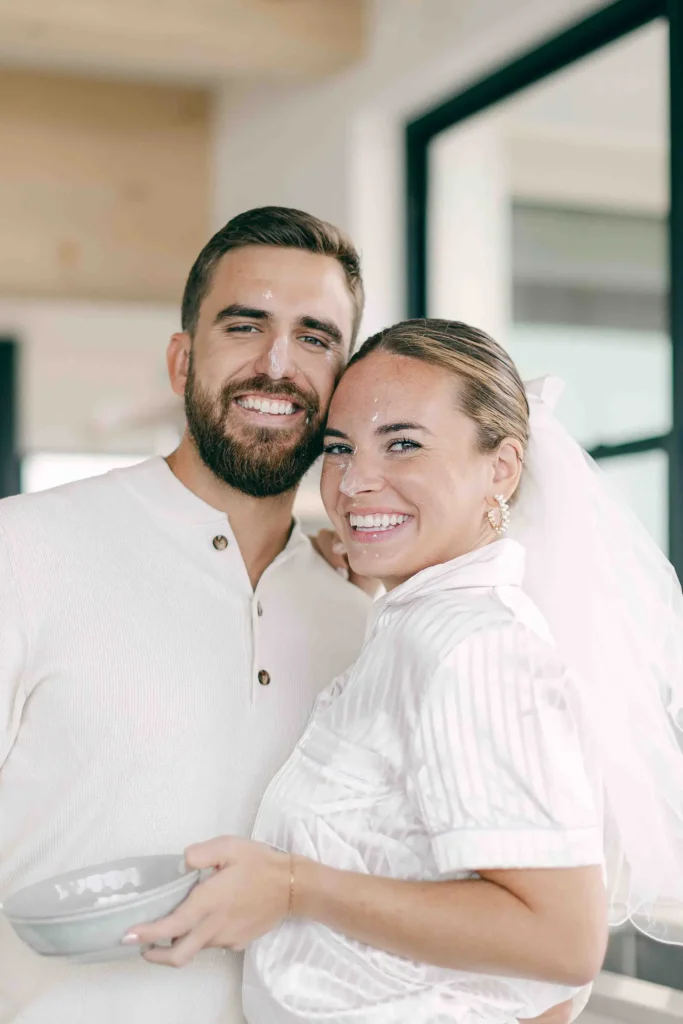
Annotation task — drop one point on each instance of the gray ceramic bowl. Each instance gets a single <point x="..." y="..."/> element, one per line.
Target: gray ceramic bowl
<point x="84" y="914"/>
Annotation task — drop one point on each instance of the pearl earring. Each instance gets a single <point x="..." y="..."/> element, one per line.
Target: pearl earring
<point x="504" y="509"/>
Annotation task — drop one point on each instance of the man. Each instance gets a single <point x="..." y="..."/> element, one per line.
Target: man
<point x="164" y="629"/>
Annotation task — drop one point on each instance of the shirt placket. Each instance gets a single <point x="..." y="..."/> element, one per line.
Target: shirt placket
<point x="264" y="673"/>
<point x="225" y="551"/>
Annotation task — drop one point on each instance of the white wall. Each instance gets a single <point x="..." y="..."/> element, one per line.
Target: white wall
<point x="93" y="375"/>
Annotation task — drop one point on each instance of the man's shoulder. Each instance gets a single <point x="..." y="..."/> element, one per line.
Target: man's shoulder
<point x="70" y="504"/>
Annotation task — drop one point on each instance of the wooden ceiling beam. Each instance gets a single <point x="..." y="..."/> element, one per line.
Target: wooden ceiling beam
<point x="204" y="39"/>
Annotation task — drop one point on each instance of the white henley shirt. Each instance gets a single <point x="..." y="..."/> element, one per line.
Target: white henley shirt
<point x="147" y="696"/>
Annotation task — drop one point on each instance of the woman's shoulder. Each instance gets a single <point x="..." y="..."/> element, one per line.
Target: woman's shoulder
<point x="511" y="643"/>
<point x="426" y="632"/>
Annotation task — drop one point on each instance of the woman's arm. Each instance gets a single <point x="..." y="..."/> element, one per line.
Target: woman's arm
<point x="545" y="924"/>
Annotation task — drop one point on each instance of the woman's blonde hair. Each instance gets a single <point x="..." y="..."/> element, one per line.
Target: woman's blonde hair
<point x="491" y="392"/>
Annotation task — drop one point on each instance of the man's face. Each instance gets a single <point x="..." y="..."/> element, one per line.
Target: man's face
<point x="273" y="335"/>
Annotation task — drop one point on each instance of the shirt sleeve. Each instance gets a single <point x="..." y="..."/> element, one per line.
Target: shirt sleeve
<point x="496" y="766"/>
<point x="13" y="653"/>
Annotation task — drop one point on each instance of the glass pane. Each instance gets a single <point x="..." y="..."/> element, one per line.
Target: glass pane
<point x="547" y="227"/>
<point x="617" y="381"/>
<point x="641" y="480"/>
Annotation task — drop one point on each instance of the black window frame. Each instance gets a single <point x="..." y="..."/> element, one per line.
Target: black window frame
<point x="549" y="56"/>
<point x="9" y="445"/>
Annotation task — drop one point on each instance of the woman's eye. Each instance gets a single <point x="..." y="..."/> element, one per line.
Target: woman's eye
<point x="403" y="445"/>
<point x="337" y="449"/>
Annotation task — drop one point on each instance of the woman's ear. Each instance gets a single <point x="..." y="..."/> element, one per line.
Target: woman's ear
<point x="507" y="467"/>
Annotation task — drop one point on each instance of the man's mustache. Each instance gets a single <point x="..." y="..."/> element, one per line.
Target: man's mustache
<point x="264" y="385"/>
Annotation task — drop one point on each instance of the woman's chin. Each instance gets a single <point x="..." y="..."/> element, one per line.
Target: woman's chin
<point x="377" y="563"/>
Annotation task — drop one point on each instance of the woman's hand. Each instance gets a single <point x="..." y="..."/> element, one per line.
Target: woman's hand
<point x="246" y="897"/>
<point x="328" y="544"/>
<point x="560" y="1014"/>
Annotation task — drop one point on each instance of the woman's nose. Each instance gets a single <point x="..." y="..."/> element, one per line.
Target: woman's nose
<point x="277" y="359"/>
<point x="359" y="478"/>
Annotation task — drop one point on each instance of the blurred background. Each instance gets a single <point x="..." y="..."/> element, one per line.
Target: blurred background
<point x="131" y="129"/>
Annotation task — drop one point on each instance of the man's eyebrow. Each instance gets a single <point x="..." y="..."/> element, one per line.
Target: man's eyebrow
<point x="236" y="309"/>
<point x="327" y="327"/>
<point x="331" y="432"/>
<point x="392" y="428"/>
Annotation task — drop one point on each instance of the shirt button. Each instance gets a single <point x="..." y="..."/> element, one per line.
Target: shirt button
<point x="259" y="609"/>
<point x="220" y="542"/>
<point x="264" y="677"/>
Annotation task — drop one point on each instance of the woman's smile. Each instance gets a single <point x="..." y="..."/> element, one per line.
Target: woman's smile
<point x="373" y="525"/>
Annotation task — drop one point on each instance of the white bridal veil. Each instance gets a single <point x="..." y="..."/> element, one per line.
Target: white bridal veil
<point x="615" y="607"/>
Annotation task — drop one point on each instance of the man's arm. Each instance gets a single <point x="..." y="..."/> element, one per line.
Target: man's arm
<point x="13" y="652"/>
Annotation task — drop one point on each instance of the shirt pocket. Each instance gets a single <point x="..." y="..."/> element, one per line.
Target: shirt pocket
<point x="347" y="762"/>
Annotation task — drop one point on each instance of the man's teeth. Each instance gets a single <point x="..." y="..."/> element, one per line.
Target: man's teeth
<point x="274" y="407"/>
<point x="377" y="522"/>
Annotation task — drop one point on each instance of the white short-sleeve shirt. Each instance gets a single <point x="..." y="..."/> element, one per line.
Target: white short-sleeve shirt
<point x="452" y="746"/>
<point x="147" y="696"/>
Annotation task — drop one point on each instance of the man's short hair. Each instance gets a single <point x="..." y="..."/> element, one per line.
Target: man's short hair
<point x="274" y="226"/>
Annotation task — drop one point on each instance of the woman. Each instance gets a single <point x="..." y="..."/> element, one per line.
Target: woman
<point x="462" y="794"/>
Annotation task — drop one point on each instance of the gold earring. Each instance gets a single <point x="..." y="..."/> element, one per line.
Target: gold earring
<point x="504" y="509"/>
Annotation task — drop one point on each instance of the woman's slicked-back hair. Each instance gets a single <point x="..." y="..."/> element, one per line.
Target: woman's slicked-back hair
<point x="490" y="389"/>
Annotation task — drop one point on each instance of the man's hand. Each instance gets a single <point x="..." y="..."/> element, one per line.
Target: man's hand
<point x="560" y="1014"/>
<point x="328" y="544"/>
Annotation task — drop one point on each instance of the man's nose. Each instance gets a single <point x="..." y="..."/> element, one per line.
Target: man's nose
<point x="277" y="359"/>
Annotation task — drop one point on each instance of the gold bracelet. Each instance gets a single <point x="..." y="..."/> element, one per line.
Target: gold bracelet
<point x="291" y="885"/>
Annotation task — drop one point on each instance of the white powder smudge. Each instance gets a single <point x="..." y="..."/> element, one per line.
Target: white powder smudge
<point x="278" y="358"/>
<point x="349" y="484"/>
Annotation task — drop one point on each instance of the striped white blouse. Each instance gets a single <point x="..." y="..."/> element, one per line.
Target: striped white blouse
<point x="452" y="745"/>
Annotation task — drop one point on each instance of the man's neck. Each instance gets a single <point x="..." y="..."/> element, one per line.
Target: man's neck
<point x="261" y="525"/>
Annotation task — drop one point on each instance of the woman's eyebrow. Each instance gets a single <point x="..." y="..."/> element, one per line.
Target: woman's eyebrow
<point x="331" y="432"/>
<point x="391" y="428"/>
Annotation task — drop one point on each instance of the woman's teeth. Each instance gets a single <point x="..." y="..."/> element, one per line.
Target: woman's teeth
<point x="377" y="522"/>
<point x="274" y="408"/>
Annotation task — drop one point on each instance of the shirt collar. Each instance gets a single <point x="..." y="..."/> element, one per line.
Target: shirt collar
<point x="155" y="483"/>
<point x="498" y="564"/>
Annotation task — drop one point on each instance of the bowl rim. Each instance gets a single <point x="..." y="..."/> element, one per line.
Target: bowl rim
<point x="129" y="900"/>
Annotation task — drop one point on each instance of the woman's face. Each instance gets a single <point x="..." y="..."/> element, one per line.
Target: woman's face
<point x="403" y="481"/>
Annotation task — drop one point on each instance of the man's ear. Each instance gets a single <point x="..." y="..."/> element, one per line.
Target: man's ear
<point x="178" y="360"/>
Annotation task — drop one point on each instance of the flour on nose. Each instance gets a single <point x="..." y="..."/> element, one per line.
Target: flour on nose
<point x="278" y="358"/>
<point x="350" y="485"/>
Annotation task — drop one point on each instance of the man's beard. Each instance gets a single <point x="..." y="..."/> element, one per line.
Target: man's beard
<point x="267" y="462"/>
